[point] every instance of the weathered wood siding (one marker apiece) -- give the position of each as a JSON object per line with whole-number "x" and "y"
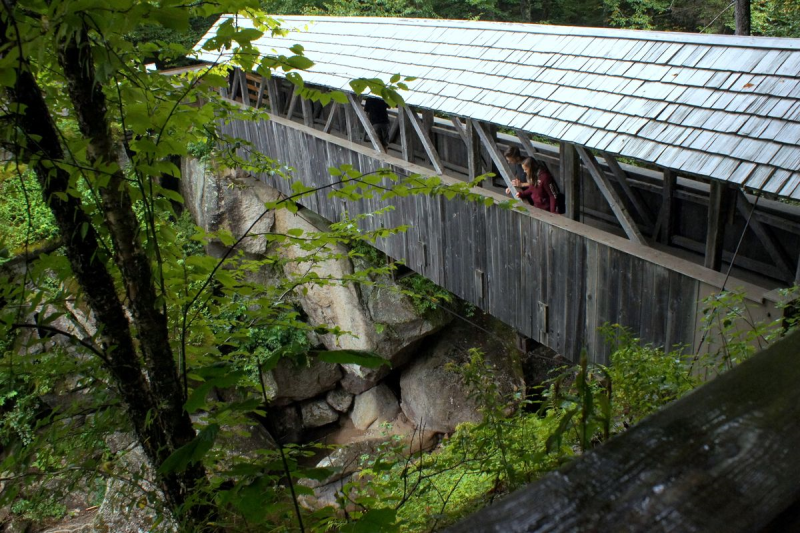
{"x": 552, "y": 279}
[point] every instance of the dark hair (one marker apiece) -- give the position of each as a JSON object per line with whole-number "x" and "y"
{"x": 512, "y": 152}
{"x": 534, "y": 166}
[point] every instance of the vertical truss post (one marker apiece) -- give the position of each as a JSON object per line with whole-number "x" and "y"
{"x": 474, "y": 162}
{"x": 634, "y": 197}
{"x": 715, "y": 227}
{"x": 406, "y": 140}
{"x": 292, "y": 102}
{"x": 666, "y": 217}
{"x": 570, "y": 171}
{"x": 244, "y": 87}
{"x": 308, "y": 112}
{"x": 235, "y": 83}
{"x": 274, "y": 95}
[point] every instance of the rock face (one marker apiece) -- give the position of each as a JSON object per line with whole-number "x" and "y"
{"x": 317, "y": 413}
{"x": 231, "y": 200}
{"x": 293, "y": 383}
{"x": 378, "y": 404}
{"x": 435, "y": 397}
{"x": 339, "y": 399}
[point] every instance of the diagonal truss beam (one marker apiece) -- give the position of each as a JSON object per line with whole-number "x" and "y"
{"x": 498, "y": 158}
{"x": 773, "y": 247}
{"x": 364, "y": 119}
{"x": 632, "y": 194}
{"x": 611, "y": 196}
{"x": 427, "y": 144}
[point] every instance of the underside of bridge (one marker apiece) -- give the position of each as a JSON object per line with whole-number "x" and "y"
{"x": 676, "y": 154}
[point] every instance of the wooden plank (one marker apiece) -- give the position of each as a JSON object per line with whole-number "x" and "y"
{"x": 292, "y": 102}
{"x": 526, "y": 143}
{"x": 494, "y": 152}
{"x": 331, "y": 116}
{"x": 720, "y": 459}
{"x": 770, "y": 244}
{"x": 665, "y": 224}
{"x": 243, "y": 87}
{"x": 236, "y": 83}
{"x": 427, "y": 143}
{"x": 682, "y": 311}
{"x": 274, "y": 95}
{"x": 308, "y": 112}
{"x": 460, "y": 129}
{"x": 715, "y": 227}
{"x": 474, "y": 162}
{"x": 633, "y": 195}
{"x": 591, "y": 296}
{"x": 366, "y": 124}
{"x": 611, "y": 196}
{"x": 406, "y": 141}
{"x": 262, "y": 86}
{"x": 570, "y": 170}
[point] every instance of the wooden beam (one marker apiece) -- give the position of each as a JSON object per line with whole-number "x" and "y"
{"x": 331, "y": 116}
{"x": 364, "y": 119}
{"x": 611, "y": 196}
{"x": 274, "y": 96}
{"x": 773, "y": 247}
{"x": 262, "y": 87}
{"x": 308, "y": 112}
{"x": 526, "y": 143}
{"x": 633, "y": 195}
{"x": 715, "y": 227}
{"x": 406, "y": 140}
{"x": 460, "y": 129}
{"x": 292, "y": 102}
{"x": 427, "y": 144}
{"x": 394, "y": 130}
{"x": 244, "y": 87}
{"x": 499, "y": 159}
{"x": 235, "y": 83}
{"x": 474, "y": 160}
{"x": 666, "y": 217}
{"x": 570, "y": 171}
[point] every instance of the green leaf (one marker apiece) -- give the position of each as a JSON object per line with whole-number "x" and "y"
{"x": 339, "y": 97}
{"x": 351, "y": 357}
{"x": 374, "y": 521}
{"x": 192, "y": 452}
{"x": 300, "y": 62}
{"x": 395, "y": 78}
{"x": 172, "y": 18}
{"x": 295, "y": 232}
{"x": 297, "y": 49}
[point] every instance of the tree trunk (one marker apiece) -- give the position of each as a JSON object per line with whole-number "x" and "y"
{"x": 154, "y": 405}
{"x": 742, "y": 17}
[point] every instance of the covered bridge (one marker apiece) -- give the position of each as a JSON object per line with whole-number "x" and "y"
{"x": 712, "y": 123}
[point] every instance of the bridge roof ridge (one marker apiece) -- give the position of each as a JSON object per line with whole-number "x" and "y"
{"x": 722, "y": 107}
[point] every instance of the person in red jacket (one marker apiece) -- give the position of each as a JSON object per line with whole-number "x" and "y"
{"x": 539, "y": 190}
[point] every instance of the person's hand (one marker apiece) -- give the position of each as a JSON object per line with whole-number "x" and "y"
{"x": 518, "y": 195}
{"x": 508, "y": 191}
{"x": 515, "y": 183}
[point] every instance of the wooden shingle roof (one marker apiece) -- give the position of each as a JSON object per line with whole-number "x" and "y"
{"x": 725, "y": 107}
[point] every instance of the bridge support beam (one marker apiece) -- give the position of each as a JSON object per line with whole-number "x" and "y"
{"x": 715, "y": 228}
{"x": 499, "y": 160}
{"x": 474, "y": 161}
{"x": 666, "y": 217}
{"x": 274, "y": 95}
{"x": 773, "y": 247}
{"x": 611, "y": 196}
{"x": 633, "y": 196}
{"x": 367, "y": 125}
{"x": 570, "y": 170}
{"x": 406, "y": 140}
{"x": 427, "y": 143}
{"x": 331, "y": 116}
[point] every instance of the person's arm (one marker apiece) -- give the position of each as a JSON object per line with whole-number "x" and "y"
{"x": 549, "y": 189}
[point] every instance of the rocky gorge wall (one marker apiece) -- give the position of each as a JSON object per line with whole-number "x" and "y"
{"x": 417, "y": 391}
